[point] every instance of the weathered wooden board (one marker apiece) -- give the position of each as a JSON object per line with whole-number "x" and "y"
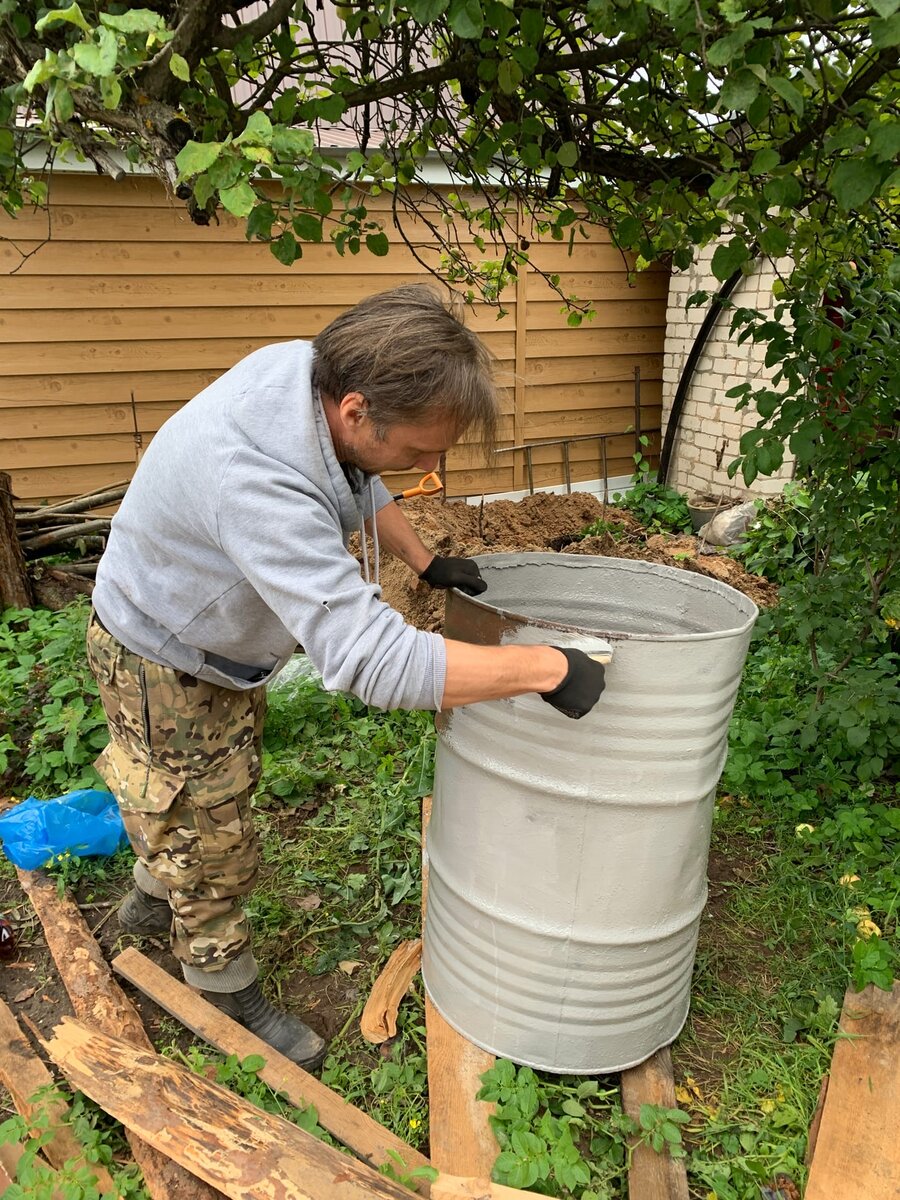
{"x": 461, "y": 1138}
{"x": 379, "y": 1017}
{"x": 449, "y": 1187}
{"x": 857, "y": 1152}
{"x": 219, "y": 1137}
{"x": 369, "y": 1140}
{"x": 653, "y": 1176}
{"x": 24, "y": 1076}
{"x": 98, "y": 1000}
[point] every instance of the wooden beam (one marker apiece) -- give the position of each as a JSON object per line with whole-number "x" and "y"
{"x": 856, "y": 1155}
{"x": 247, "y": 1153}
{"x": 369, "y": 1140}
{"x": 98, "y": 1000}
{"x": 24, "y": 1076}
{"x": 461, "y": 1138}
{"x": 455, "y": 1187}
{"x": 653, "y": 1176}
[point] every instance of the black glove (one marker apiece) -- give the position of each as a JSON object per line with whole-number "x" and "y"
{"x": 582, "y": 687}
{"x": 459, "y": 573}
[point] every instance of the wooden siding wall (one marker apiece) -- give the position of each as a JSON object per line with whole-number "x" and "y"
{"x": 115, "y": 309}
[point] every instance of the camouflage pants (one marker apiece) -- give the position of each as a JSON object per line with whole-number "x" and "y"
{"x": 182, "y": 763}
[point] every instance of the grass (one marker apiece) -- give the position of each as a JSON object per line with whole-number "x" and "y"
{"x": 339, "y": 819}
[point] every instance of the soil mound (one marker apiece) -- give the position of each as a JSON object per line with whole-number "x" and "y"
{"x": 544, "y": 522}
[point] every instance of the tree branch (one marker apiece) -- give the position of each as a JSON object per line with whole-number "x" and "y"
{"x": 226, "y": 37}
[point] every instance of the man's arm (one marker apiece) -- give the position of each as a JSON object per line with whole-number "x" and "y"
{"x": 495, "y": 672}
{"x": 397, "y": 536}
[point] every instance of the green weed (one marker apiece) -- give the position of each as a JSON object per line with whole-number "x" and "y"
{"x": 658, "y": 507}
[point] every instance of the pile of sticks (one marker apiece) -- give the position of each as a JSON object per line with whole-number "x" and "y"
{"x": 51, "y": 529}
{"x": 30, "y": 534}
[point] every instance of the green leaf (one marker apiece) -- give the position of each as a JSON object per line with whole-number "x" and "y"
{"x": 466, "y": 18}
{"x": 239, "y": 200}
{"x": 509, "y": 75}
{"x": 63, "y": 103}
{"x": 764, "y": 161}
{"x": 110, "y": 91}
{"x": 253, "y": 1063}
{"x": 307, "y": 227}
{"x": 293, "y": 144}
{"x": 788, "y": 93}
{"x": 774, "y": 241}
{"x": 42, "y": 70}
{"x": 854, "y": 182}
{"x": 723, "y": 51}
{"x": 331, "y": 108}
{"x": 784, "y": 191}
{"x": 723, "y": 186}
{"x": 728, "y": 258}
{"x": 257, "y": 130}
{"x": 885, "y": 8}
{"x": 739, "y": 91}
{"x": 179, "y": 67}
{"x": 884, "y": 141}
{"x": 886, "y": 33}
{"x": 378, "y": 244}
{"x": 531, "y": 25}
{"x": 196, "y": 157}
{"x": 203, "y": 189}
{"x": 73, "y": 15}
{"x": 134, "y": 20}
{"x": 97, "y": 59}
{"x": 426, "y": 11}
{"x": 567, "y": 154}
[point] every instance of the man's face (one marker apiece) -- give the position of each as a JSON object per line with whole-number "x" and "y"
{"x": 411, "y": 446}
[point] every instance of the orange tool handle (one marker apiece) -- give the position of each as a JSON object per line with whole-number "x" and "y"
{"x": 428, "y": 485}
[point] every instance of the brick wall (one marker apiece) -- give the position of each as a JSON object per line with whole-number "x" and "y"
{"x": 710, "y": 427}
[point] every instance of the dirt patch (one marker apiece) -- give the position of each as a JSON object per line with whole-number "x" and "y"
{"x": 545, "y": 522}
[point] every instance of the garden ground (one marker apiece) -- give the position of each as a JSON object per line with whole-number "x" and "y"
{"x": 338, "y": 812}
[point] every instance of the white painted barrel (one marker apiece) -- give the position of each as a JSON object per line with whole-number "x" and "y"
{"x": 567, "y": 859}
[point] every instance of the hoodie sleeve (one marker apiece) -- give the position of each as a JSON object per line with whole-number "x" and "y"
{"x": 288, "y": 544}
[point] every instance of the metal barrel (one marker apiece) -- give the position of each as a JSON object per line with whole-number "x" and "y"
{"x": 567, "y": 859}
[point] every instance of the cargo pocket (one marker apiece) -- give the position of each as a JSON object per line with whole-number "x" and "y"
{"x": 221, "y": 802}
{"x": 137, "y": 785}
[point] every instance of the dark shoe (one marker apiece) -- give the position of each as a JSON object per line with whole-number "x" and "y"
{"x": 143, "y": 914}
{"x": 284, "y": 1033}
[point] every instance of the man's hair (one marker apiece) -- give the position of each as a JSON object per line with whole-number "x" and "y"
{"x": 410, "y": 355}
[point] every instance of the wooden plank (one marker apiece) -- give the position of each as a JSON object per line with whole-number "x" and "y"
{"x": 612, "y": 314}
{"x": 653, "y": 1176}
{"x": 59, "y": 483}
{"x": 450, "y": 1187}
{"x": 605, "y": 368}
{"x": 588, "y": 340}
{"x": 223, "y": 1139}
{"x": 856, "y": 1155}
{"x": 379, "y": 1017}
{"x": 24, "y": 1075}
{"x": 604, "y": 285}
{"x": 97, "y": 998}
{"x": 219, "y": 353}
{"x": 269, "y": 322}
{"x": 581, "y": 422}
{"x": 82, "y": 420}
{"x": 17, "y": 391}
{"x": 615, "y": 396}
{"x": 191, "y": 291}
{"x": 369, "y": 1140}
{"x": 461, "y": 1138}
{"x": 55, "y": 452}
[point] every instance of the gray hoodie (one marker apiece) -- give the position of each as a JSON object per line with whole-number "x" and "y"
{"x": 229, "y": 548}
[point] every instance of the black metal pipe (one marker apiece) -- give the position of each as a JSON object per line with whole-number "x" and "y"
{"x": 709, "y": 321}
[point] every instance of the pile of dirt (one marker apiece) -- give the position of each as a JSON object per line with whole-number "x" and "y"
{"x": 544, "y": 522}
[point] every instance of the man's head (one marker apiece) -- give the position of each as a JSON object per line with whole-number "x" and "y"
{"x": 402, "y": 380}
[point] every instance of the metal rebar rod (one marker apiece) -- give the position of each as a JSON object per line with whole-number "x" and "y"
{"x": 530, "y": 466}
{"x": 605, "y": 473}
{"x": 568, "y": 467}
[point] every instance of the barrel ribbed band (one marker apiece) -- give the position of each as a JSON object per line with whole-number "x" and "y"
{"x": 239, "y": 973}
{"x": 148, "y": 885}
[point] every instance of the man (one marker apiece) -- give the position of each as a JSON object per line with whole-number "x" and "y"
{"x": 229, "y": 550}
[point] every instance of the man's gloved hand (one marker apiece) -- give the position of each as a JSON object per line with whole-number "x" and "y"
{"x": 581, "y": 688}
{"x": 459, "y": 573}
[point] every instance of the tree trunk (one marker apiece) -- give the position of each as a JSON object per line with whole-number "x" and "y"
{"x": 15, "y": 586}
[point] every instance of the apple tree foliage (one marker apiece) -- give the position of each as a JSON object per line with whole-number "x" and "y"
{"x": 770, "y": 128}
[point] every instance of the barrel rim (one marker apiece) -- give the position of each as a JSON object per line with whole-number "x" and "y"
{"x": 585, "y": 561}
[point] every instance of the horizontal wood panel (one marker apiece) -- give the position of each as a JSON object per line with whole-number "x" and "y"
{"x": 608, "y": 368}
{"x": 61, "y": 483}
{"x": 81, "y": 420}
{"x": 580, "y": 422}
{"x": 73, "y": 357}
{"x": 619, "y": 396}
{"x": 613, "y": 314}
{"x": 110, "y": 387}
{"x": 60, "y": 451}
{"x": 593, "y": 341}
{"x": 601, "y": 285}
{"x": 269, "y": 322}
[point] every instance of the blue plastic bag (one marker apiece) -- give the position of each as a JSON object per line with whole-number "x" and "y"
{"x": 85, "y": 822}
